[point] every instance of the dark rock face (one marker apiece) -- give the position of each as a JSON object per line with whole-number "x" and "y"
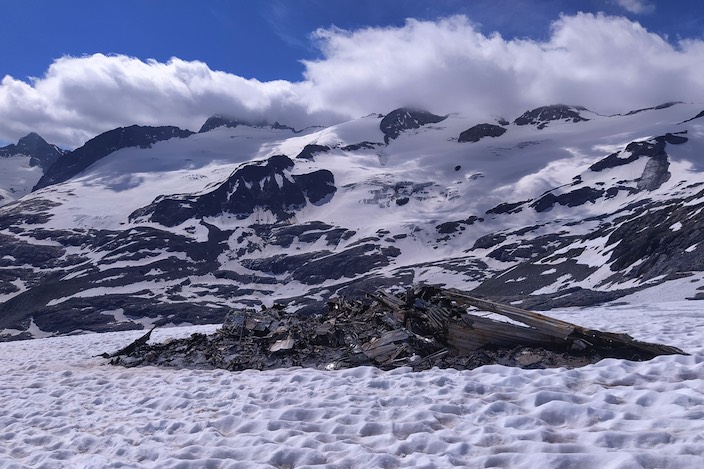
{"x": 213, "y": 122}
{"x": 656, "y": 171}
{"x": 654, "y": 108}
{"x": 41, "y": 153}
{"x": 403, "y": 119}
{"x": 507, "y": 207}
{"x": 362, "y": 146}
{"x": 317, "y": 267}
{"x": 570, "y": 199}
{"x": 72, "y": 163}
{"x": 542, "y": 116}
{"x": 309, "y": 151}
{"x": 216, "y": 121}
{"x": 654, "y": 149}
{"x": 478, "y": 132}
{"x": 660, "y": 242}
{"x": 701, "y": 114}
{"x": 459, "y": 225}
{"x": 264, "y": 185}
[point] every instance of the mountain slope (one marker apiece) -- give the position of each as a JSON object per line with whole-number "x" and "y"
{"x": 562, "y": 207}
{"x": 72, "y": 163}
{"x": 22, "y": 165}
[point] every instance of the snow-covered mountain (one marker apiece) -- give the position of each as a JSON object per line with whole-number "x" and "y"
{"x": 561, "y": 206}
{"x": 23, "y": 164}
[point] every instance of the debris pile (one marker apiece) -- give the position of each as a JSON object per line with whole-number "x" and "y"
{"x": 422, "y": 328}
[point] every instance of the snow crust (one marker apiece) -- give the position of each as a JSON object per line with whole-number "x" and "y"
{"x": 64, "y": 407}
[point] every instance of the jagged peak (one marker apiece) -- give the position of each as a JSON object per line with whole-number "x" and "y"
{"x": 541, "y": 116}
{"x": 221, "y": 120}
{"x": 31, "y": 137}
{"x": 406, "y": 118}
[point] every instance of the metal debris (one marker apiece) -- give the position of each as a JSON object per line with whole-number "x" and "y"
{"x": 421, "y": 328}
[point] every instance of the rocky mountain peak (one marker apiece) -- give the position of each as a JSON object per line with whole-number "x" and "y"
{"x": 41, "y": 153}
{"x": 219, "y": 120}
{"x": 543, "y": 115}
{"x": 405, "y": 118}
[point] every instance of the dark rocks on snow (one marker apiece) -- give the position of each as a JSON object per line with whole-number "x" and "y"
{"x": 41, "y": 153}
{"x": 700, "y": 115}
{"x": 570, "y": 199}
{"x": 400, "y": 120}
{"x": 489, "y": 240}
{"x": 654, "y": 108}
{"x": 317, "y": 267}
{"x": 72, "y": 163}
{"x": 218, "y": 120}
{"x": 284, "y": 235}
{"x": 266, "y": 185}
{"x": 459, "y": 225}
{"x": 213, "y": 122}
{"x": 362, "y": 146}
{"x": 310, "y": 150}
{"x": 659, "y": 242}
{"x": 542, "y": 116}
{"x": 479, "y": 131}
{"x": 507, "y": 207}
{"x": 654, "y": 149}
{"x": 526, "y": 249}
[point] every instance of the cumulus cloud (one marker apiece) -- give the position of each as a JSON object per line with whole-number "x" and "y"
{"x": 636, "y": 6}
{"x": 80, "y": 97}
{"x": 608, "y": 64}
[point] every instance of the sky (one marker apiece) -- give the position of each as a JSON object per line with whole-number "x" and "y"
{"x": 71, "y": 70}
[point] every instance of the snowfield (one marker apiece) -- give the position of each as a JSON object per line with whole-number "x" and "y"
{"x": 64, "y": 407}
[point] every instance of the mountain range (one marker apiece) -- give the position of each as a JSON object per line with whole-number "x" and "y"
{"x": 559, "y": 207}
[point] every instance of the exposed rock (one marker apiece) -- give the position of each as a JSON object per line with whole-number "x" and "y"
{"x": 402, "y": 119}
{"x": 659, "y": 242}
{"x": 479, "y": 131}
{"x": 266, "y": 185}
{"x": 219, "y": 120}
{"x": 72, "y": 163}
{"x": 310, "y": 150}
{"x": 542, "y": 116}
{"x": 654, "y": 108}
{"x": 507, "y": 207}
{"x": 570, "y": 199}
{"x": 213, "y": 122}
{"x": 454, "y": 226}
{"x": 653, "y": 148}
{"x": 362, "y": 146}
{"x": 41, "y": 153}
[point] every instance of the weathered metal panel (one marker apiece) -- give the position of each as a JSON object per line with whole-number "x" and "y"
{"x": 544, "y": 324}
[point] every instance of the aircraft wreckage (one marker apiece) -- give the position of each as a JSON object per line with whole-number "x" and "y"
{"x": 421, "y": 328}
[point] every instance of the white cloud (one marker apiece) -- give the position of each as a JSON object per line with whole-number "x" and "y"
{"x": 81, "y": 97}
{"x": 608, "y": 64}
{"x": 636, "y": 6}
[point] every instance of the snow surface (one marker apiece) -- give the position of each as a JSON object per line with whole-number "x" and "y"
{"x": 17, "y": 177}
{"x": 64, "y": 407}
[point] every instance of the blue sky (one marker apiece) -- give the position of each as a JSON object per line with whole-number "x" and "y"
{"x": 266, "y": 39}
{"x": 74, "y": 69}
